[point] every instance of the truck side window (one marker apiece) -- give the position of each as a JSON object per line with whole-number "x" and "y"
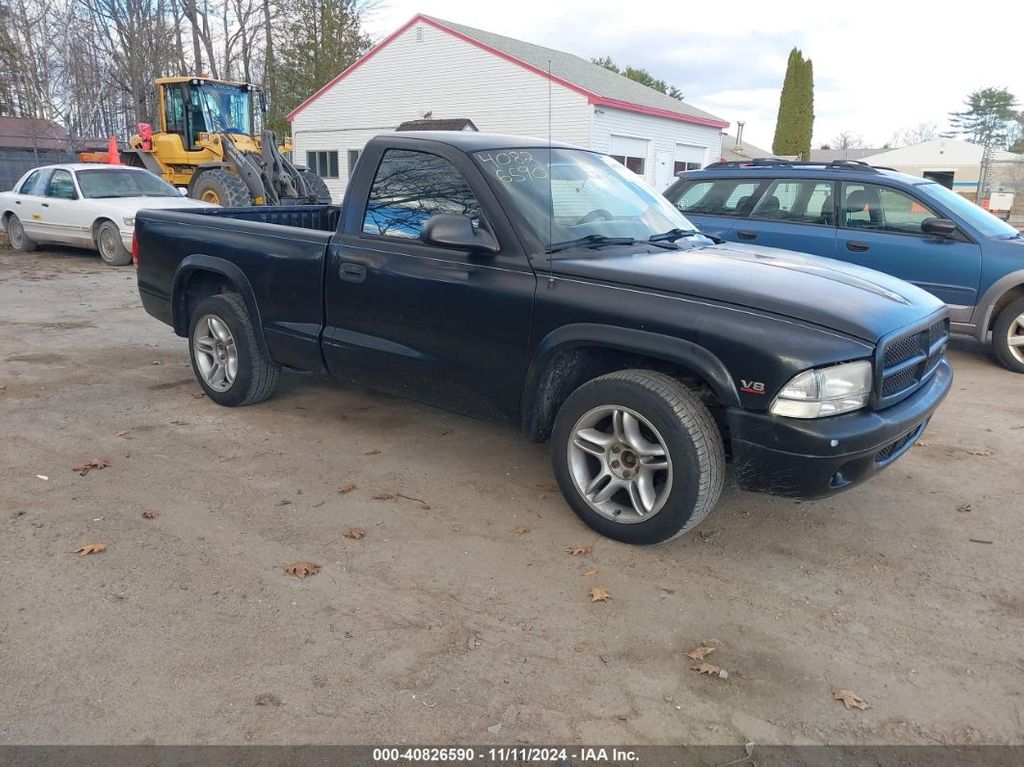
{"x": 409, "y": 188}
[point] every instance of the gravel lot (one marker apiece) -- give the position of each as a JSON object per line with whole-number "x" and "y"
{"x": 459, "y": 617}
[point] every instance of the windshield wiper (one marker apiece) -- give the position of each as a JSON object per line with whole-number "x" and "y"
{"x": 590, "y": 241}
{"x": 672, "y": 235}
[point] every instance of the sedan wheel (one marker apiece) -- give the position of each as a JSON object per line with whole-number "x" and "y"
{"x": 16, "y": 234}
{"x": 215, "y": 352}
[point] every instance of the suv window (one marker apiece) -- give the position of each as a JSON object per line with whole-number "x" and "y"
{"x": 61, "y": 186}
{"x": 725, "y": 197}
{"x": 409, "y": 188}
{"x": 807, "y": 201}
{"x": 867, "y": 206}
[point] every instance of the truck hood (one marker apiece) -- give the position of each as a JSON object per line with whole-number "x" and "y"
{"x": 851, "y": 299}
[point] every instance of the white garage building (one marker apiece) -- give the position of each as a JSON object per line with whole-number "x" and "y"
{"x": 442, "y": 70}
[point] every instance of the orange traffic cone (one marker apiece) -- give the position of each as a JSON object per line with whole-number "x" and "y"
{"x": 113, "y": 153}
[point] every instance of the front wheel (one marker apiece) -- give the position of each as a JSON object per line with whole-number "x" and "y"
{"x": 638, "y": 456}
{"x": 16, "y": 234}
{"x": 227, "y": 359}
{"x": 1008, "y": 336}
{"x": 109, "y": 244}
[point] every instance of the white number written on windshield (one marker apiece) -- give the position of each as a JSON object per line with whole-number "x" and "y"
{"x": 513, "y": 166}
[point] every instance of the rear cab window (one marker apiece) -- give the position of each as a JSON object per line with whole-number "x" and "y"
{"x": 720, "y": 197}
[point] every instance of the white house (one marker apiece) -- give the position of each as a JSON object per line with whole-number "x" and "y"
{"x": 955, "y": 164}
{"x": 442, "y": 70}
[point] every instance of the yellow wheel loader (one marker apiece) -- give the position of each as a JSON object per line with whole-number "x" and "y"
{"x": 212, "y": 140}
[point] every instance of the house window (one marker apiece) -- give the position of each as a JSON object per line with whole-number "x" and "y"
{"x": 635, "y": 164}
{"x": 323, "y": 164}
{"x": 353, "y": 157}
{"x": 681, "y": 166}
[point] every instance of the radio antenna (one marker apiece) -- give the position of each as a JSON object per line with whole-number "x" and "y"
{"x": 551, "y": 197}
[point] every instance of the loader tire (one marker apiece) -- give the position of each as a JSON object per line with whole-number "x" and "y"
{"x": 221, "y": 187}
{"x": 316, "y": 186}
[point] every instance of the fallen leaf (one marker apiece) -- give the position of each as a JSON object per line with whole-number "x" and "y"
{"x": 383, "y": 496}
{"x": 150, "y": 514}
{"x": 547, "y": 487}
{"x": 92, "y": 548}
{"x": 982, "y": 453}
{"x": 700, "y": 653}
{"x": 92, "y": 463}
{"x": 354, "y": 533}
{"x": 590, "y": 571}
{"x": 372, "y": 452}
{"x": 850, "y": 699}
{"x": 42, "y": 477}
{"x": 267, "y": 699}
{"x": 923, "y": 443}
{"x": 578, "y": 551}
{"x": 598, "y": 594}
{"x": 964, "y": 508}
{"x": 199, "y": 394}
{"x": 302, "y": 569}
{"x": 706, "y": 668}
{"x": 521, "y": 530}
{"x": 121, "y": 434}
{"x": 347, "y": 488}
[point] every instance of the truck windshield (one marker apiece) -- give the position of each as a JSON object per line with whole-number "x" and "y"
{"x": 113, "y": 182}
{"x": 979, "y": 218}
{"x": 572, "y": 194}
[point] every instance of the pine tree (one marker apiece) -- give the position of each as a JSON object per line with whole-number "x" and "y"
{"x": 987, "y": 118}
{"x": 795, "y": 124}
{"x": 640, "y": 75}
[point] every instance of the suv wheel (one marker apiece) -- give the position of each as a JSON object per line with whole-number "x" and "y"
{"x": 638, "y": 456}
{"x": 1008, "y": 336}
{"x": 226, "y": 357}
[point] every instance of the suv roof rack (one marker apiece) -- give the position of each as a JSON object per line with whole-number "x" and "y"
{"x": 773, "y": 162}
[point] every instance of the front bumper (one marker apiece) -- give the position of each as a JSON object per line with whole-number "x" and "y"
{"x": 815, "y": 458}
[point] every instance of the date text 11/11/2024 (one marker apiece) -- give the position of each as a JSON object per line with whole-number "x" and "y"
{"x": 502, "y": 754}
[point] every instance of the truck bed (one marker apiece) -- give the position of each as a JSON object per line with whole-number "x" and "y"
{"x": 276, "y": 252}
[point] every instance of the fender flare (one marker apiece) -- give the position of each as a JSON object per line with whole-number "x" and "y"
{"x": 988, "y": 302}
{"x": 649, "y": 344}
{"x": 198, "y": 262}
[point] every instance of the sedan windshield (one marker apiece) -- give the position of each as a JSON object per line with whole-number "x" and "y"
{"x": 572, "y": 196}
{"x": 979, "y": 218}
{"x": 117, "y": 182}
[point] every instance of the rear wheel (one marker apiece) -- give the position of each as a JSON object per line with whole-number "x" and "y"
{"x": 227, "y": 358}
{"x": 221, "y": 187}
{"x": 16, "y": 234}
{"x": 109, "y": 244}
{"x": 316, "y": 186}
{"x": 638, "y": 456}
{"x": 1008, "y": 336}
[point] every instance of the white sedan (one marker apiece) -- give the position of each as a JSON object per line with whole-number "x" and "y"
{"x": 86, "y": 205}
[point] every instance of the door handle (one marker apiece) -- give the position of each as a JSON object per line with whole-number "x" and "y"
{"x": 746, "y": 234}
{"x": 858, "y": 247}
{"x": 46, "y": 205}
{"x": 17, "y": 202}
{"x": 350, "y": 272}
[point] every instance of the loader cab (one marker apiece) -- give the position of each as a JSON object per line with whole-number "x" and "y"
{"x": 193, "y": 107}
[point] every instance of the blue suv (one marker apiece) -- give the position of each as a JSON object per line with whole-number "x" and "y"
{"x": 907, "y": 226}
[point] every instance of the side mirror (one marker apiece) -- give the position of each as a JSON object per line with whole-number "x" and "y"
{"x": 457, "y": 232}
{"x": 938, "y": 227}
{"x": 182, "y": 191}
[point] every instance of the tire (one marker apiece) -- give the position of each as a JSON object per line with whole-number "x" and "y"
{"x": 656, "y": 411}
{"x": 254, "y": 373}
{"x": 316, "y": 186}
{"x": 109, "y": 244}
{"x": 1008, "y": 327}
{"x": 16, "y": 234}
{"x": 221, "y": 187}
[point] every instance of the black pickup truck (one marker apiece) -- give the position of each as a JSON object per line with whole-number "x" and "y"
{"x": 547, "y": 287}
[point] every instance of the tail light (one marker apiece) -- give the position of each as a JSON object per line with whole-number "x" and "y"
{"x": 135, "y": 249}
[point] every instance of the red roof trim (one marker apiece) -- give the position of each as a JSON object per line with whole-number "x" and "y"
{"x": 593, "y": 98}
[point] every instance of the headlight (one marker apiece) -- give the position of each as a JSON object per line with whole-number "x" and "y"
{"x": 826, "y": 391}
{"x": 129, "y": 221}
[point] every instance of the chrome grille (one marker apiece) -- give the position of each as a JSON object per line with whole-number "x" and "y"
{"x": 909, "y": 361}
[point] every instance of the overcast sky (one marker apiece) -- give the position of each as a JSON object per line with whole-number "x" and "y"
{"x": 878, "y": 67}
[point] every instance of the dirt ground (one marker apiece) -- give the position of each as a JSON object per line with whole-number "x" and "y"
{"x": 459, "y": 617}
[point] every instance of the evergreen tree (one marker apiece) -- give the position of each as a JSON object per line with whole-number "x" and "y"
{"x": 795, "y": 124}
{"x": 324, "y": 37}
{"x": 640, "y": 75}
{"x": 987, "y": 118}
